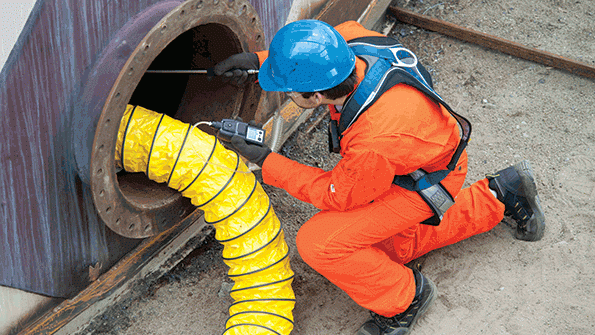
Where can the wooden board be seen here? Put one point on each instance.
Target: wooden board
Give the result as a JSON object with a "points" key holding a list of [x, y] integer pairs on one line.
{"points": [[493, 42]]}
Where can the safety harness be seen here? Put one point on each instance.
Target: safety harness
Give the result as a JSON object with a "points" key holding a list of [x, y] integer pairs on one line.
{"points": [[388, 64]]}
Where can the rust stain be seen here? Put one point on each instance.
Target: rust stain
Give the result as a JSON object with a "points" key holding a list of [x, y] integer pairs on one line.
{"points": [[95, 271], [291, 111]]}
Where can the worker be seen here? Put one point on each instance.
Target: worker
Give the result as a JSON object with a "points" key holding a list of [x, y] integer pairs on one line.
{"points": [[396, 143]]}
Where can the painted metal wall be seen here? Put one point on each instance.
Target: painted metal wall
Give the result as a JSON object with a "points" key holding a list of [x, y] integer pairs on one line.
{"points": [[50, 231]]}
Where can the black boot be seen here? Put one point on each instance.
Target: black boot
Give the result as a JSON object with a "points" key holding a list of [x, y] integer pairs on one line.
{"points": [[401, 324], [516, 189]]}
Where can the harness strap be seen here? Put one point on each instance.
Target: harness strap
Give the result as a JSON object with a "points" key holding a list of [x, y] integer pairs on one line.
{"points": [[366, 92], [436, 196], [433, 178], [389, 64]]}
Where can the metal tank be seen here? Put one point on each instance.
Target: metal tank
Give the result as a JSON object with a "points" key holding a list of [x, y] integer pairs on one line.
{"points": [[66, 214]]}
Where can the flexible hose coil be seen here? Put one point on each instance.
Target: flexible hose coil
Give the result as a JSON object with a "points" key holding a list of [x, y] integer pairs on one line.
{"points": [[233, 201]]}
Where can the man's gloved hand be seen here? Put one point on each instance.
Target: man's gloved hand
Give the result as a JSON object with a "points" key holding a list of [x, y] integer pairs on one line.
{"points": [[235, 68], [254, 153]]}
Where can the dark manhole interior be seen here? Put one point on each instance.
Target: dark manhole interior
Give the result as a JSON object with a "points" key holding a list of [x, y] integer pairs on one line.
{"points": [[186, 97]]}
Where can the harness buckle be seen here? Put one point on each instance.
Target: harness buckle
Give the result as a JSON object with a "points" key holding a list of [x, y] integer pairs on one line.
{"points": [[403, 57], [436, 197]]}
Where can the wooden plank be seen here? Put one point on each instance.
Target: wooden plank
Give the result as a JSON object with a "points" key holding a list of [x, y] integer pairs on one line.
{"points": [[151, 259], [493, 42]]}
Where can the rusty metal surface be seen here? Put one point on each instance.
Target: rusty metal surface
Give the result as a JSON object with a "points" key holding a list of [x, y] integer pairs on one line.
{"points": [[493, 42], [273, 14]]}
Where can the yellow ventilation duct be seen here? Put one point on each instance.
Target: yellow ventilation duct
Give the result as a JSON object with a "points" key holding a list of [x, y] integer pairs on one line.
{"points": [[216, 180]]}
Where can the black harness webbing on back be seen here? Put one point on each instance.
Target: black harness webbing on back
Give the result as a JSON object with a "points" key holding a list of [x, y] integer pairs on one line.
{"points": [[388, 64]]}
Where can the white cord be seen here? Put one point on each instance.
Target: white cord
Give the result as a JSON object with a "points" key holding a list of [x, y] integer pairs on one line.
{"points": [[202, 122]]}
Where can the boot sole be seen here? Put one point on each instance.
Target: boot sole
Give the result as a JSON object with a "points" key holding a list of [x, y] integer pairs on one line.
{"points": [[537, 220]]}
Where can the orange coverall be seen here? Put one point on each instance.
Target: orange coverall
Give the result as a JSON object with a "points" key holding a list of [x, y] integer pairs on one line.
{"points": [[368, 227]]}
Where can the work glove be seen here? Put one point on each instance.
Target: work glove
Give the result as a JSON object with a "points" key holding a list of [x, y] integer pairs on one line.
{"points": [[235, 68], [254, 153]]}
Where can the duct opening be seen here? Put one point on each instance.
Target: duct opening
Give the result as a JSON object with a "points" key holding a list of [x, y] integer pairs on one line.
{"points": [[194, 35], [187, 97]]}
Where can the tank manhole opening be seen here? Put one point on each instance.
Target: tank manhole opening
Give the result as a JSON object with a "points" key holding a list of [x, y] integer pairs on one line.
{"points": [[130, 203], [187, 97]]}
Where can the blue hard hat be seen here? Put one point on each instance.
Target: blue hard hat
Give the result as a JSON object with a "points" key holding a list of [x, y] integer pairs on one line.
{"points": [[306, 56]]}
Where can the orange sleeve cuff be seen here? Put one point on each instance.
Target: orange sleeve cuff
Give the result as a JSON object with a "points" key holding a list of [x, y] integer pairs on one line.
{"points": [[262, 55]]}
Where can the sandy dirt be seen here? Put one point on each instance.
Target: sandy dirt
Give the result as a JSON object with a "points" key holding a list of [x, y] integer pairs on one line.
{"points": [[490, 283]]}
